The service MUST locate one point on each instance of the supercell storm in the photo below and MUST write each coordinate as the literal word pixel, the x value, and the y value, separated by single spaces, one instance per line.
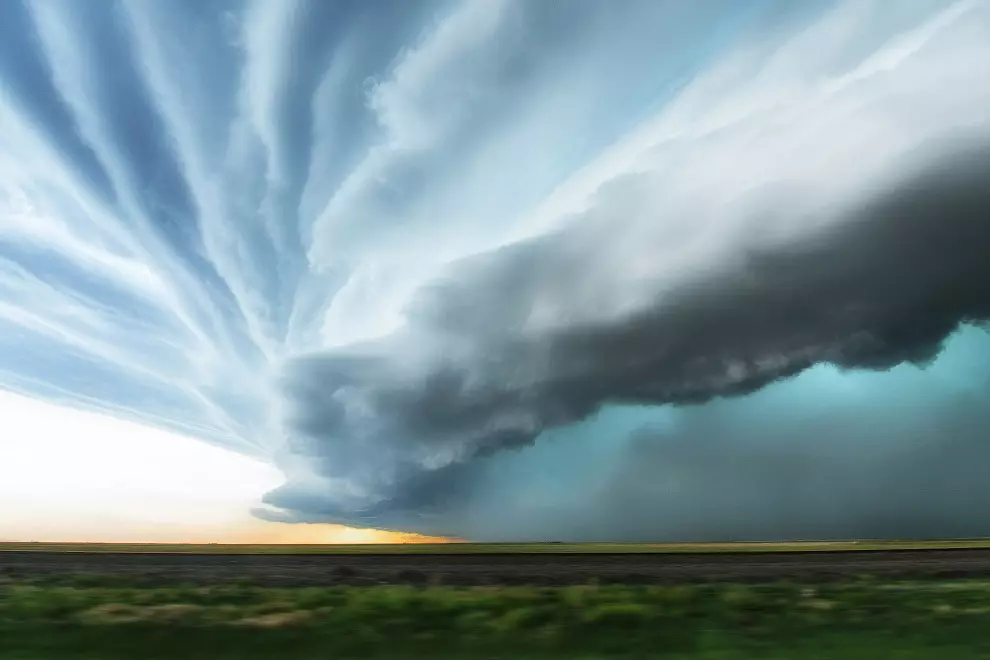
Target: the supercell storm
pixel 509 269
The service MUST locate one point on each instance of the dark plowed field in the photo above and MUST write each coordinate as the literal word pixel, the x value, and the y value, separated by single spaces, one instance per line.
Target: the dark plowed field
pixel 464 569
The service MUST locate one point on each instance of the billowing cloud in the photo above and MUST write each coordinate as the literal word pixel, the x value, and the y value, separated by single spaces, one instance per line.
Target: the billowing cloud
pixel 476 373
pixel 418 254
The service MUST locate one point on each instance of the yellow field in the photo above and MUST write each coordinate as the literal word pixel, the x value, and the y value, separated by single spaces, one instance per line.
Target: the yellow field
pixel 496 548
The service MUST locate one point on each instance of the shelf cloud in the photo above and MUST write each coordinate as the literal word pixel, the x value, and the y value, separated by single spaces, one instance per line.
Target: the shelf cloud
pixel 501 269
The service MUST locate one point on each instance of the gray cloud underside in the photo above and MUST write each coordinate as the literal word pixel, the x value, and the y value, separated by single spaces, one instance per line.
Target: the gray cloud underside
pixel 403 422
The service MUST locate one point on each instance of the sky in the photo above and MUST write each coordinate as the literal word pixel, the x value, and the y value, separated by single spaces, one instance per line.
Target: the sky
pixel 119 482
pixel 495 269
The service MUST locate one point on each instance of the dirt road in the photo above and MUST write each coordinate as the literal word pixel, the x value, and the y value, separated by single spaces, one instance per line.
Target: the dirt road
pixel 298 570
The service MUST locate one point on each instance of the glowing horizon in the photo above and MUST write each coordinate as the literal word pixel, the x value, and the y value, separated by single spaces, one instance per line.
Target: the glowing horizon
pixel 121 482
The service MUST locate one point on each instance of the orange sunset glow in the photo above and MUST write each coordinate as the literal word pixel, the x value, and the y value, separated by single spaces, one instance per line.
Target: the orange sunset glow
pixel 247 533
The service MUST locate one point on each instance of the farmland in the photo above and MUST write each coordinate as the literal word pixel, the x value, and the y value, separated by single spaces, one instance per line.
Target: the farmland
pixel 368 565
pixel 495 548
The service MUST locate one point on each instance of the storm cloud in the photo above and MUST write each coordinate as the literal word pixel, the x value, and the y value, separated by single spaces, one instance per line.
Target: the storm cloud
pixel 504 269
pixel 884 284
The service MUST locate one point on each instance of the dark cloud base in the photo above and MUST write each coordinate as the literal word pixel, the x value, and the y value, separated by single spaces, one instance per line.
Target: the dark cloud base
pixel 900 454
pixel 884 285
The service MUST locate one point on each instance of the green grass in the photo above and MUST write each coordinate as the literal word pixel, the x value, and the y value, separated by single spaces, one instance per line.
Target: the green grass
pixel 850 620
pixel 498 548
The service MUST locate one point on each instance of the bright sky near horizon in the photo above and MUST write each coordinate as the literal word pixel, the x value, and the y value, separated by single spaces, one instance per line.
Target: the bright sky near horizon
pixel 120 482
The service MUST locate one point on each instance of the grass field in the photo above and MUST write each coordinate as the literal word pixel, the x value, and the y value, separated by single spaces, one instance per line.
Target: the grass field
pixel 68 615
pixel 497 548
pixel 849 620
